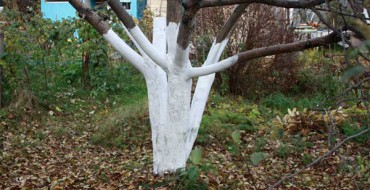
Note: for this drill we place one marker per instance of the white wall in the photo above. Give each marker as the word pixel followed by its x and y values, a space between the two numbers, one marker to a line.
pixel 158 7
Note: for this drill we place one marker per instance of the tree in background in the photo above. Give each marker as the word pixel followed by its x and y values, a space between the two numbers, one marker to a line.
pixel 176 112
pixel 271 27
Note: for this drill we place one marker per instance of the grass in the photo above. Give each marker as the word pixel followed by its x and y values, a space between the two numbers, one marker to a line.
pixel 282 102
pixel 122 125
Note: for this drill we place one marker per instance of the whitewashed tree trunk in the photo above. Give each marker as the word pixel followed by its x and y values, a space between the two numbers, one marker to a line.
pixel 169 107
pixel 175 114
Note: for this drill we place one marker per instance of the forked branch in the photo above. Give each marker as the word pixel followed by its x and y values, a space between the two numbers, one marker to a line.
pixel 139 37
pixel 204 83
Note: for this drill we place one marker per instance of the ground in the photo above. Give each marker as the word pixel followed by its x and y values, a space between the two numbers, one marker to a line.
pixel 57 149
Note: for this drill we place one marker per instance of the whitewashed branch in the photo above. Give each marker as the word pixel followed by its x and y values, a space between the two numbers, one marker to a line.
pixel 126 51
pixel 141 40
pixel 212 68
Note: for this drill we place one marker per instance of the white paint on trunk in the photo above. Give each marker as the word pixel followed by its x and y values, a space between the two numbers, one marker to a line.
pixel 181 59
pixel 148 48
pixel 169 97
pixel 159 34
pixel 201 93
pixel 134 41
pixel 171 35
pixel 157 94
pixel 174 118
pixel 135 59
pixel 213 68
pixel 171 141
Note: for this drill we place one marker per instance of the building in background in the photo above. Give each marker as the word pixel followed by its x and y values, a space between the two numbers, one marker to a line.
pixel 157 7
pixel 61 9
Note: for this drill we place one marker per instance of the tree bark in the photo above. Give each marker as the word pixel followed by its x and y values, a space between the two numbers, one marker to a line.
pixel 86 70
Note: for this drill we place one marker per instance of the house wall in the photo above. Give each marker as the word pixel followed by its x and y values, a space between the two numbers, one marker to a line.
pixel 63 10
pixel 57 10
pixel 158 7
pixel 133 12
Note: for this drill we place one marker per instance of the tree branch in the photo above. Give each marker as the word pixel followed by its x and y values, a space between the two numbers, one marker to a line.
pixel 288 48
pixel 141 40
pixel 233 19
pixel 322 19
pixel 320 158
pixel 186 29
pixel 174 11
pixel 90 16
pixel 278 3
pixel 261 52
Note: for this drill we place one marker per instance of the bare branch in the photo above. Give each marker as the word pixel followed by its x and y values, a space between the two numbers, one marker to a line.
pixel 140 39
pixel 288 48
pixel 278 3
pixel 261 52
pixel 322 19
pixel 355 86
pixel 229 25
pixel 320 158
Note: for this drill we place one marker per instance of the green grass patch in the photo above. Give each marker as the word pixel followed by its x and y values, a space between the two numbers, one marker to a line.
pixel 123 126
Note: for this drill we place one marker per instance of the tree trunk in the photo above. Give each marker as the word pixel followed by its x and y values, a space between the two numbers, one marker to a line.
pixel 169 108
pixel 85 70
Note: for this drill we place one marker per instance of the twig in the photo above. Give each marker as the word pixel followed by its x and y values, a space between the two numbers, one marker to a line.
pixel 322 19
pixel 319 159
pixel 364 56
pixel 358 84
